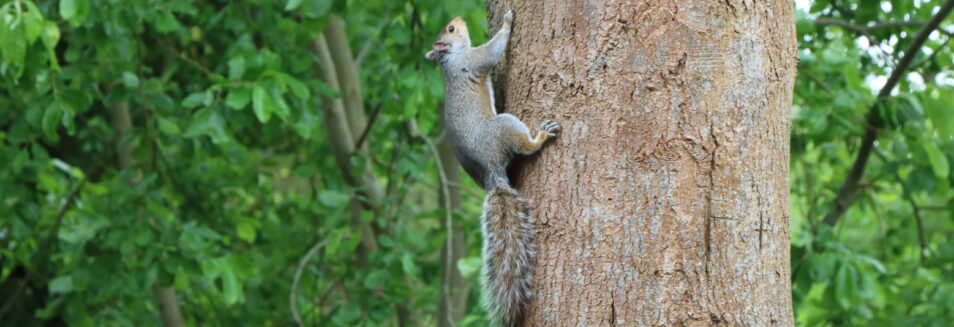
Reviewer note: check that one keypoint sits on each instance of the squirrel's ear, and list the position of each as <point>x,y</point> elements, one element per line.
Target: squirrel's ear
<point>431,55</point>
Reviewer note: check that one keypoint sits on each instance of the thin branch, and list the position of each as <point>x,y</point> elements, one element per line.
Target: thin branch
<point>867,29</point>
<point>846,193</point>
<point>190,61</point>
<point>41,252</point>
<point>933,54</point>
<point>367,128</point>
<point>301,267</point>
<point>914,207</point>
<point>412,126</point>
<point>815,79</point>
<point>367,43</point>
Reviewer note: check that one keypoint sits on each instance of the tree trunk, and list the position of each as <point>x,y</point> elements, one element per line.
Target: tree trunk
<point>166,299</point>
<point>665,200</point>
<point>454,288</point>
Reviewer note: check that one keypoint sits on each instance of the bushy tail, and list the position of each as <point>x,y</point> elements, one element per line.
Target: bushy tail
<point>507,253</point>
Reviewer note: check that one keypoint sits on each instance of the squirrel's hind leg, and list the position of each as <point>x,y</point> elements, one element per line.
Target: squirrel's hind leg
<point>519,137</point>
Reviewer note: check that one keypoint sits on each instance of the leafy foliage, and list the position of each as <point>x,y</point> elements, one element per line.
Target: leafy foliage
<point>231,176</point>
<point>888,261</point>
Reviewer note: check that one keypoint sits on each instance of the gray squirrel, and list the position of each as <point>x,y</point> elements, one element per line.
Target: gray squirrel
<point>484,143</point>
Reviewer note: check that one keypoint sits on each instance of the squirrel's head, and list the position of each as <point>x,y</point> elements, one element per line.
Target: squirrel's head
<point>453,37</point>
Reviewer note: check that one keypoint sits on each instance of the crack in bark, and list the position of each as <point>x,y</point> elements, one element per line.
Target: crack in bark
<point>711,186</point>
<point>760,230</point>
<point>612,321</point>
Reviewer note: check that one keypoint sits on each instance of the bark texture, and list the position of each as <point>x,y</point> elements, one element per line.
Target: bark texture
<point>665,200</point>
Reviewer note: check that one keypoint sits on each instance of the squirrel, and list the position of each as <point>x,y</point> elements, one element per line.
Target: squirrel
<point>484,143</point>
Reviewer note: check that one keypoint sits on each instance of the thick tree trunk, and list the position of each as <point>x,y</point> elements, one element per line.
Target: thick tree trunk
<point>665,200</point>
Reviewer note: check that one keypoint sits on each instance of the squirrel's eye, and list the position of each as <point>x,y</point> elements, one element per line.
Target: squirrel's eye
<point>450,29</point>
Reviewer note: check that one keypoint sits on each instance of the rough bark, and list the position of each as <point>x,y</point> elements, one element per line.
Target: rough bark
<point>665,200</point>
<point>166,298</point>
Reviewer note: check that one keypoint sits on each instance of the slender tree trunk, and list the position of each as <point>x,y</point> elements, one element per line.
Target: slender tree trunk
<point>453,299</point>
<point>342,140</point>
<point>665,200</point>
<point>166,298</point>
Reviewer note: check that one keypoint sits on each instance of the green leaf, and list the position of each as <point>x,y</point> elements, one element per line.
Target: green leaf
<point>61,284</point>
<point>245,230</point>
<point>68,9</point>
<point>468,266</point>
<point>262,110</point>
<point>333,199</point>
<point>376,278</point>
<point>84,228</point>
<point>194,100</point>
<point>347,316</point>
<point>130,80</point>
<point>236,68</point>
<point>51,35</point>
<point>938,159</point>
<point>846,285</point>
<point>852,77</point>
<point>238,98</point>
<point>409,266</point>
<point>167,22</point>
<point>297,87</point>
<point>33,22</point>
<point>316,8</point>
<point>292,5</point>
<point>208,121</point>
<point>52,118</point>
<point>168,127</point>
<point>278,102</point>
<point>12,44</point>
<point>231,286</point>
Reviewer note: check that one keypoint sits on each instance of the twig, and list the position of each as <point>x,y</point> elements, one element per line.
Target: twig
<point>294,287</point>
<point>933,54</point>
<point>815,79</point>
<point>914,207</point>
<point>846,193</point>
<point>45,247</point>
<point>865,30</point>
<point>190,61</point>
<point>412,126</point>
<point>59,218</point>
<point>367,43</point>
<point>367,128</point>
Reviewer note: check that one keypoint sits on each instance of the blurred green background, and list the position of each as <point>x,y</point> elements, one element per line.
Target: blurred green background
<point>219,151</point>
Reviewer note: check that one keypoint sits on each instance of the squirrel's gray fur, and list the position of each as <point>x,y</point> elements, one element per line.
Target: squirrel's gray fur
<point>485,142</point>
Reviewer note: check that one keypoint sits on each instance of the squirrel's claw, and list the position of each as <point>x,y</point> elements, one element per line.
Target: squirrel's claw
<point>549,127</point>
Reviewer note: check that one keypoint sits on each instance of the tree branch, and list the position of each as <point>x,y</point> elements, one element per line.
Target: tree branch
<point>412,126</point>
<point>41,252</point>
<point>919,222</point>
<point>367,128</point>
<point>363,52</point>
<point>849,189</point>
<point>294,286</point>
<point>865,30</point>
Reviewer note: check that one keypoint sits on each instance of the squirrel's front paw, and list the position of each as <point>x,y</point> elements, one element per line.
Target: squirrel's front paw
<point>550,128</point>
<point>508,17</point>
